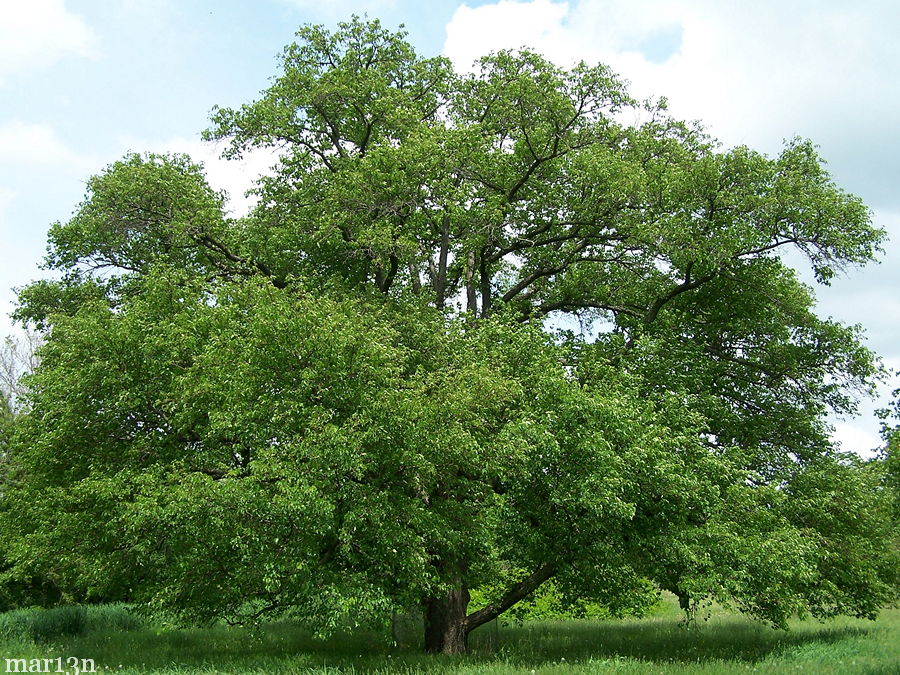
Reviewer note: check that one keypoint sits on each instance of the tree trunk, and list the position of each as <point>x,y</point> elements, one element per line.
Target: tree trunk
<point>471,291</point>
<point>484,268</point>
<point>440,277</point>
<point>446,627</point>
<point>684,601</point>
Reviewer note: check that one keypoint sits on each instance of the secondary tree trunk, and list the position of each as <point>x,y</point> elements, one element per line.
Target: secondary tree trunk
<point>446,627</point>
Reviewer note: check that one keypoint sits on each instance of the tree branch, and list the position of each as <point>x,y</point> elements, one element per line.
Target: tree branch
<point>440,280</point>
<point>518,592</point>
<point>214,244</point>
<point>687,285</point>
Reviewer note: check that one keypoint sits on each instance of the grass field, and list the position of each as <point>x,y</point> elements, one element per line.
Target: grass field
<point>121,643</point>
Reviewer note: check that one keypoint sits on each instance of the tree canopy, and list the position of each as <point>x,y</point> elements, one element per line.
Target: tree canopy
<point>368,393</point>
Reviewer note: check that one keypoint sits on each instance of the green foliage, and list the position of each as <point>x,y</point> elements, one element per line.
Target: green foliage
<point>889,459</point>
<point>264,381</point>
<point>353,400</point>
<point>141,211</point>
<point>549,603</point>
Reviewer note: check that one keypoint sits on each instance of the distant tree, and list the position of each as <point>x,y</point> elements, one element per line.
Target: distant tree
<point>363,396</point>
<point>18,357</point>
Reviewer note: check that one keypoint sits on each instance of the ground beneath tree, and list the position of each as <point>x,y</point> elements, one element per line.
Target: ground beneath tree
<point>724,643</point>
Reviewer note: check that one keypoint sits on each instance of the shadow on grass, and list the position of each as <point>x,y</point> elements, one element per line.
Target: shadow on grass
<point>662,640</point>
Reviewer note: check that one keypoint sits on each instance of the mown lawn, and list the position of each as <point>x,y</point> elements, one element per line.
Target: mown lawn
<point>724,644</point>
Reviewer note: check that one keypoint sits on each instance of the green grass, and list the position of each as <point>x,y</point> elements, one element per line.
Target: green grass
<point>725,643</point>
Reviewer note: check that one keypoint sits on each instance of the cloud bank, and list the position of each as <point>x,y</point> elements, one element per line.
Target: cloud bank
<point>35,34</point>
<point>754,73</point>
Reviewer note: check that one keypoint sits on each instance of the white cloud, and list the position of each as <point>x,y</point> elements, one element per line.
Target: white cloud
<point>342,9</point>
<point>854,438</point>
<point>35,34</point>
<point>6,197</point>
<point>755,72</point>
<point>472,33</point>
<point>38,145</point>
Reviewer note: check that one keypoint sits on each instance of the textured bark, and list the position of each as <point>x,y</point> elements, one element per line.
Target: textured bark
<point>446,626</point>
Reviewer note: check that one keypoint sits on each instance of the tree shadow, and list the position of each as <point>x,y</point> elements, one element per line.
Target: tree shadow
<point>652,640</point>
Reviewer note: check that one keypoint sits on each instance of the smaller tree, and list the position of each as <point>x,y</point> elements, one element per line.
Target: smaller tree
<point>18,357</point>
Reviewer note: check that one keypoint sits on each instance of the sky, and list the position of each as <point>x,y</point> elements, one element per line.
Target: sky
<point>82,82</point>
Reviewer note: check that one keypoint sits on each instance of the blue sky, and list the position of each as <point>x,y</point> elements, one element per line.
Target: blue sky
<point>84,81</point>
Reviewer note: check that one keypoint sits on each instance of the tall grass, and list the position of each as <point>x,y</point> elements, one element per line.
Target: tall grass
<point>119,642</point>
<point>46,625</point>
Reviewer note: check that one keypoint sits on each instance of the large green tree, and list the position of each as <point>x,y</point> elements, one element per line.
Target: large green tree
<point>368,394</point>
